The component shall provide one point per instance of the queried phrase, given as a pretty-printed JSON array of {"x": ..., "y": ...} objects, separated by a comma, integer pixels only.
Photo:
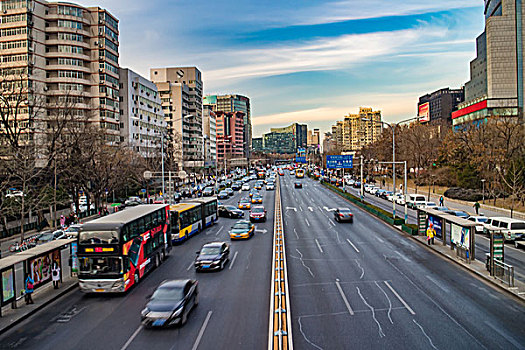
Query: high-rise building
[
  {"x": 357, "y": 130},
  {"x": 313, "y": 141},
  {"x": 283, "y": 142},
  {"x": 234, "y": 103},
  {"x": 329, "y": 144},
  {"x": 181, "y": 95},
  {"x": 62, "y": 54},
  {"x": 496, "y": 85},
  {"x": 257, "y": 144},
  {"x": 230, "y": 137},
  {"x": 142, "y": 121},
  {"x": 438, "y": 106},
  {"x": 209, "y": 132},
  {"x": 299, "y": 134}
]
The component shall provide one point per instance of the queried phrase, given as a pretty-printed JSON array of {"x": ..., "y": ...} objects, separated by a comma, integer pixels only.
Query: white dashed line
[
  {"x": 352, "y": 244},
  {"x": 319, "y": 246},
  {"x": 233, "y": 260}
]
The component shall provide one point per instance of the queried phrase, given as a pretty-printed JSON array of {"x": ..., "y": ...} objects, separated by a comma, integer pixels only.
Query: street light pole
[
  {"x": 483, "y": 191},
  {"x": 162, "y": 162}
]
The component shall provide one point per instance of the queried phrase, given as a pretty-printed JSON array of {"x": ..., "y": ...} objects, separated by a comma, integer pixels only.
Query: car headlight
[{"x": 144, "y": 312}]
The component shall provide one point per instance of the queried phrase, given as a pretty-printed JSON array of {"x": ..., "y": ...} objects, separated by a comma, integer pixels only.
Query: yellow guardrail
[{"x": 280, "y": 328}]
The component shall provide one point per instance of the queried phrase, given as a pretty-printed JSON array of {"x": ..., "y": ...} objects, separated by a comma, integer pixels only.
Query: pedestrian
[
  {"x": 62, "y": 221},
  {"x": 476, "y": 207},
  {"x": 430, "y": 234},
  {"x": 55, "y": 274},
  {"x": 29, "y": 290},
  {"x": 441, "y": 201}
]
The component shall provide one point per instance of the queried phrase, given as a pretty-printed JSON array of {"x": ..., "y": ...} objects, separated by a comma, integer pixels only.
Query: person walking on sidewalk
[
  {"x": 441, "y": 201},
  {"x": 29, "y": 290},
  {"x": 55, "y": 275},
  {"x": 476, "y": 207},
  {"x": 430, "y": 234}
]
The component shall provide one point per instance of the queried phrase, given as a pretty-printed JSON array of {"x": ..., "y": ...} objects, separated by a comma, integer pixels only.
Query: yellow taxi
[
  {"x": 242, "y": 229},
  {"x": 245, "y": 203},
  {"x": 257, "y": 199}
]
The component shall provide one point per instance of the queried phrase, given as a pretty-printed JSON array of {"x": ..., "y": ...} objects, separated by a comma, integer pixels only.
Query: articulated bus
[
  {"x": 185, "y": 220},
  {"x": 299, "y": 173},
  {"x": 208, "y": 210},
  {"x": 115, "y": 251}
]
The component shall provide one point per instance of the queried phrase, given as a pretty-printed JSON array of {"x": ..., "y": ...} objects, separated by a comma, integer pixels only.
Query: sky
[{"x": 307, "y": 61}]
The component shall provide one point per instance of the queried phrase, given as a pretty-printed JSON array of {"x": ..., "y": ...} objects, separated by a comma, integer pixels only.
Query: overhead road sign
[{"x": 340, "y": 161}]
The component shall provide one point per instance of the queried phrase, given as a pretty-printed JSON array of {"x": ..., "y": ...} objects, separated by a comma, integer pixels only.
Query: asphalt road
[
  {"x": 232, "y": 312},
  {"x": 513, "y": 256},
  {"x": 364, "y": 285}
]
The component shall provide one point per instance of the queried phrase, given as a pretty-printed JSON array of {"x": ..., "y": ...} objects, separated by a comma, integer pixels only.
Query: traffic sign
[
  {"x": 340, "y": 161},
  {"x": 143, "y": 190},
  {"x": 300, "y": 159}
]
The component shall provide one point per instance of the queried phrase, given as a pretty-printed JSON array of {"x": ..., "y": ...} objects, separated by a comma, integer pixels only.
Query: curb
[
  {"x": 39, "y": 307},
  {"x": 478, "y": 275}
]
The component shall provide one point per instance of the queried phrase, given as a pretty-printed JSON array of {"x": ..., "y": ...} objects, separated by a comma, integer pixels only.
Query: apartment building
[
  {"x": 142, "y": 123},
  {"x": 357, "y": 130},
  {"x": 209, "y": 131},
  {"x": 61, "y": 55},
  {"x": 299, "y": 135},
  {"x": 181, "y": 95},
  {"x": 234, "y": 103},
  {"x": 230, "y": 137}
]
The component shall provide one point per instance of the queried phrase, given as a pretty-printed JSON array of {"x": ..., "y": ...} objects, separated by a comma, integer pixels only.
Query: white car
[
  {"x": 429, "y": 205},
  {"x": 478, "y": 220},
  {"x": 400, "y": 199},
  {"x": 270, "y": 186},
  {"x": 374, "y": 190},
  {"x": 245, "y": 187}
]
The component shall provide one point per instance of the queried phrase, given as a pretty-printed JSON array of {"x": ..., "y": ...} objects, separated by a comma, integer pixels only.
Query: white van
[
  {"x": 415, "y": 200},
  {"x": 512, "y": 229}
]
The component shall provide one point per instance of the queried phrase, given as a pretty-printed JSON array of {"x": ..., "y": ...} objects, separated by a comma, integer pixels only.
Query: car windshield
[
  {"x": 100, "y": 265},
  {"x": 241, "y": 226},
  {"x": 258, "y": 210},
  {"x": 482, "y": 219},
  {"x": 168, "y": 294},
  {"x": 344, "y": 211},
  {"x": 98, "y": 237},
  {"x": 517, "y": 226},
  {"x": 230, "y": 207},
  {"x": 210, "y": 250}
]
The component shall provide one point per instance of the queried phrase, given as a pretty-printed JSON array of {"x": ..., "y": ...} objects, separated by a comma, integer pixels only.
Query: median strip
[{"x": 280, "y": 331}]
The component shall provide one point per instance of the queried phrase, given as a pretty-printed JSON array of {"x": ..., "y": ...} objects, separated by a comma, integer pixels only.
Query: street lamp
[
  {"x": 393, "y": 127},
  {"x": 483, "y": 190}
]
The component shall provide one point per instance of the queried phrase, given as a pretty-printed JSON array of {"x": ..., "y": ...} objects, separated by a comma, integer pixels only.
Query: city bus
[
  {"x": 208, "y": 210},
  {"x": 114, "y": 252},
  {"x": 299, "y": 173},
  {"x": 185, "y": 220}
]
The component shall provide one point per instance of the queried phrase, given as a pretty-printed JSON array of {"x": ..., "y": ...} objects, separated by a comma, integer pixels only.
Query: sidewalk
[
  {"x": 42, "y": 297},
  {"x": 475, "y": 267}
]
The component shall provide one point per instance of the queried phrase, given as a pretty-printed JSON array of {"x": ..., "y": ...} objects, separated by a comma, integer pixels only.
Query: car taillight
[{"x": 341, "y": 215}]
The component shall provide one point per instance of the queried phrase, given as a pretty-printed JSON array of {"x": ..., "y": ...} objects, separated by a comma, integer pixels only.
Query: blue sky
[{"x": 308, "y": 61}]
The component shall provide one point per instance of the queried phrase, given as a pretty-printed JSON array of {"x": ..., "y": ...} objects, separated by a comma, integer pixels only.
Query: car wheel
[
  {"x": 196, "y": 300},
  {"x": 352, "y": 221},
  {"x": 157, "y": 260},
  {"x": 136, "y": 278},
  {"x": 184, "y": 318},
  {"x": 230, "y": 215}
]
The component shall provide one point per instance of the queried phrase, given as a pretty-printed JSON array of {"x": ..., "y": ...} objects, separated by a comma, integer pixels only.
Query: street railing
[{"x": 503, "y": 272}]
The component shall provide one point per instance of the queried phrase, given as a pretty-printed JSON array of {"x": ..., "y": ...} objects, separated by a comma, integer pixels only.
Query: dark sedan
[
  {"x": 222, "y": 195},
  {"x": 298, "y": 184},
  {"x": 212, "y": 256},
  {"x": 230, "y": 211},
  {"x": 171, "y": 303},
  {"x": 208, "y": 191},
  {"x": 343, "y": 214}
]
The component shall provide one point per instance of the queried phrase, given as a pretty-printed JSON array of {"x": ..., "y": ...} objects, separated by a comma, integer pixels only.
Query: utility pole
[
  {"x": 394, "y": 168},
  {"x": 55, "y": 195},
  {"x": 405, "y": 195},
  {"x": 362, "y": 187}
]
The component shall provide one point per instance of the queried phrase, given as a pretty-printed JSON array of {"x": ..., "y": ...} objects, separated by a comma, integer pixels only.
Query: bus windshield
[
  {"x": 98, "y": 237},
  {"x": 100, "y": 265}
]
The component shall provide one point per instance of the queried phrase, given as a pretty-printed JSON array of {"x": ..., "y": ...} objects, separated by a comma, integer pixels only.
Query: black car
[
  {"x": 236, "y": 186},
  {"x": 230, "y": 191},
  {"x": 212, "y": 256},
  {"x": 230, "y": 211},
  {"x": 185, "y": 192},
  {"x": 298, "y": 184},
  {"x": 343, "y": 214},
  {"x": 222, "y": 195},
  {"x": 171, "y": 303}
]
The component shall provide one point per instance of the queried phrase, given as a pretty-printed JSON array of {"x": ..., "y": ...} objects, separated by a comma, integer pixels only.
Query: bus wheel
[
  {"x": 157, "y": 260},
  {"x": 162, "y": 256},
  {"x": 200, "y": 229},
  {"x": 136, "y": 277}
]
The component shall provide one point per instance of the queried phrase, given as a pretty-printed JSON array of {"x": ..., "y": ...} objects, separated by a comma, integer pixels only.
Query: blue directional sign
[
  {"x": 300, "y": 159},
  {"x": 143, "y": 190},
  {"x": 340, "y": 162}
]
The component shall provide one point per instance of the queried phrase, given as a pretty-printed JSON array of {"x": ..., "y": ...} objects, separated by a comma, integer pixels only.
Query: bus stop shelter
[
  {"x": 458, "y": 232},
  {"x": 36, "y": 262}
]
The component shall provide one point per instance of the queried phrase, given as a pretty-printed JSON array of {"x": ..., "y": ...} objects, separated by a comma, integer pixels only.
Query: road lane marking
[
  {"x": 333, "y": 223},
  {"x": 446, "y": 290},
  {"x": 348, "y": 307},
  {"x": 233, "y": 260},
  {"x": 352, "y": 244},
  {"x": 189, "y": 267},
  {"x": 511, "y": 340},
  {"x": 133, "y": 336},
  {"x": 305, "y": 219},
  {"x": 400, "y": 299},
  {"x": 380, "y": 240},
  {"x": 296, "y": 235},
  {"x": 300, "y": 208},
  {"x": 402, "y": 256},
  {"x": 219, "y": 231},
  {"x": 310, "y": 208},
  {"x": 380, "y": 329},
  {"x": 201, "y": 332},
  {"x": 319, "y": 246},
  {"x": 425, "y": 334}
]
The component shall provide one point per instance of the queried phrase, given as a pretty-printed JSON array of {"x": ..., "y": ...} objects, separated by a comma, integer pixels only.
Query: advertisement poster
[
  {"x": 436, "y": 222},
  {"x": 74, "y": 258},
  {"x": 40, "y": 268},
  {"x": 424, "y": 112},
  {"x": 8, "y": 285},
  {"x": 460, "y": 236}
]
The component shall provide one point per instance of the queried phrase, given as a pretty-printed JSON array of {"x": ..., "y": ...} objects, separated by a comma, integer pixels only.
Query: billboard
[
  {"x": 436, "y": 223},
  {"x": 340, "y": 162},
  {"x": 460, "y": 236},
  {"x": 424, "y": 112},
  {"x": 8, "y": 286},
  {"x": 40, "y": 267}
]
